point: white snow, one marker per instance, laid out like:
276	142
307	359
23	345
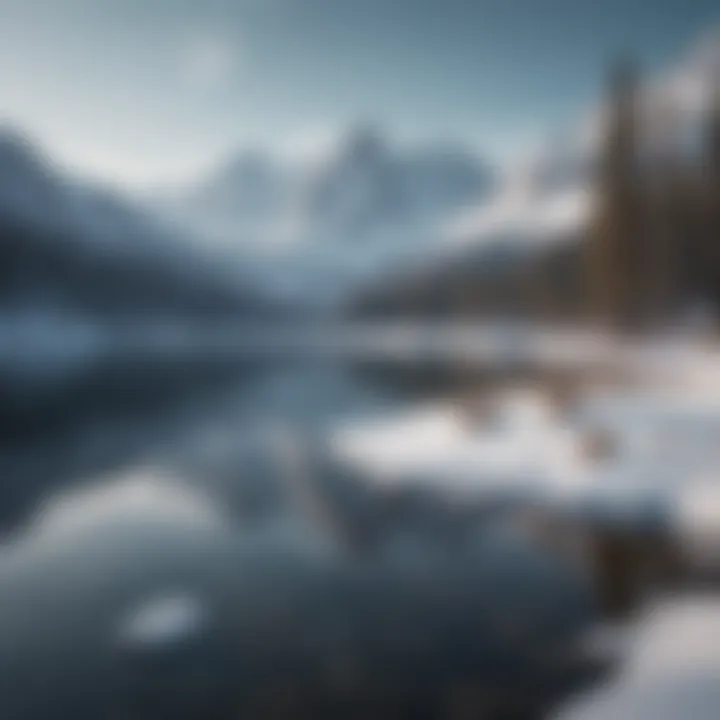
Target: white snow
435	443
549	194
665	438
671	670
518	215
163	621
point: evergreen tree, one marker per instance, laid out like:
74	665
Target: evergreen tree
616	260
667	209
712	195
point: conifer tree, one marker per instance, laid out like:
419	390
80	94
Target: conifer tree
615	257
665	203
712	193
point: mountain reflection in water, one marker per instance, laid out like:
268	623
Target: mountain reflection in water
154	566
130	489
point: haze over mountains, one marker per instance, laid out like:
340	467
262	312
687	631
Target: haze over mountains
314	230
321	226
544	207
259	225
370	211
363	189
68	247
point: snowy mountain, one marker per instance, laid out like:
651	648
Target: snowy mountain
369	189
315	230
541	210
362	191
68	244
550	196
238	204
357	192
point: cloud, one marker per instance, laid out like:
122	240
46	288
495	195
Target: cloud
210	61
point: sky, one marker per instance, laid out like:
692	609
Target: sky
152	92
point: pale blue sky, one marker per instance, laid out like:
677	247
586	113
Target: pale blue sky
147	91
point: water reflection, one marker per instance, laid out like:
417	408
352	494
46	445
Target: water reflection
160	566
130	487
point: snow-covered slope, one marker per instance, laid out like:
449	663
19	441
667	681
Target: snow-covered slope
41	197
363	190
315	229
241	202
67	243
550	195
369	189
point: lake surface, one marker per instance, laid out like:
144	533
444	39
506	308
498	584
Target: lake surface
135	502
124	496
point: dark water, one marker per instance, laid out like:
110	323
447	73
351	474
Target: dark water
146	570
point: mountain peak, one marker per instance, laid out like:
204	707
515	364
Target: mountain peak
363	143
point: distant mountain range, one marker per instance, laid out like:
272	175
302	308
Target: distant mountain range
551	194
257	231
361	191
262	228
317	229
547	201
